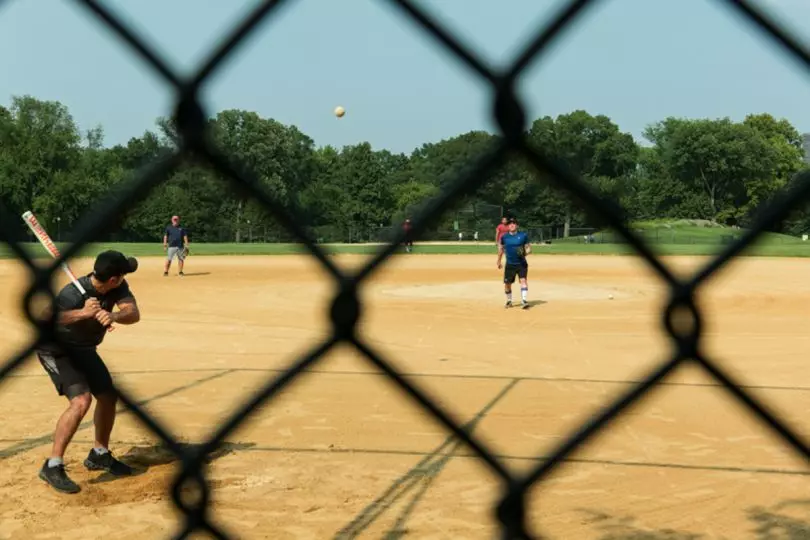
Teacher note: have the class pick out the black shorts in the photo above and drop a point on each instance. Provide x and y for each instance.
(512, 270)
(84, 372)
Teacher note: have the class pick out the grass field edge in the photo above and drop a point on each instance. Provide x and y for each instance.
(240, 250)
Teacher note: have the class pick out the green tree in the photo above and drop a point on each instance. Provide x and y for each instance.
(786, 145)
(39, 152)
(706, 168)
(588, 146)
(733, 164)
(434, 167)
(366, 200)
(280, 157)
(444, 162)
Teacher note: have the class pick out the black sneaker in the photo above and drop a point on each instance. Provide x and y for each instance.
(182, 274)
(165, 274)
(58, 478)
(524, 304)
(106, 462)
(508, 304)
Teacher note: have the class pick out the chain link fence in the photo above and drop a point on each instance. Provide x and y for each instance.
(681, 318)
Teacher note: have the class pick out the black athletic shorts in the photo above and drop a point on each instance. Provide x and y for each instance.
(512, 270)
(84, 372)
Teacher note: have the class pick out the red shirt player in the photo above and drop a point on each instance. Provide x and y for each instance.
(500, 230)
(408, 241)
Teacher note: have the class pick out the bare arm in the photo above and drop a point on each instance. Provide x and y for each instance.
(128, 312)
(73, 316)
(527, 248)
(500, 254)
(165, 241)
(90, 309)
(185, 240)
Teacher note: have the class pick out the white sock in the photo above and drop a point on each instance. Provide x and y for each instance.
(524, 293)
(509, 297)
(100, 451)
(55, 462)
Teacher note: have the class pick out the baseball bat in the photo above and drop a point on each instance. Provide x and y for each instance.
(45, 239)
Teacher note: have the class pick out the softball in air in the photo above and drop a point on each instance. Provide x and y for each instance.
(339, 111)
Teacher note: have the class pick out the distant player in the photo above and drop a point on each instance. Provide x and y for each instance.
(500, 230)
(175, 239)
(516, 246)
(408, 239)
(81, 326)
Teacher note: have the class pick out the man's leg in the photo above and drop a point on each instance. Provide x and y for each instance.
(53, 471)
(180, 262)
(508, 279)
(524, 292)
(523, 274)
(72, 384)
(104, 419)
(168, 263)
(69, 422)
(100, 458)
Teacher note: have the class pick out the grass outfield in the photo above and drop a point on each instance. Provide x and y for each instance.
(684, 232)
(764, 248)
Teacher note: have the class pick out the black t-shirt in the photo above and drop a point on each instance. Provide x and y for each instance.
(175, 235)
(89, 332)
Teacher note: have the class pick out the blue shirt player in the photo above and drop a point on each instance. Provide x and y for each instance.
(516, 246)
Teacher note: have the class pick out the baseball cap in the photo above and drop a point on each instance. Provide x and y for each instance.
(113, 263)
(512, 220)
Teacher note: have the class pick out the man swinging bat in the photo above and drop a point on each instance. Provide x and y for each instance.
(80, 375)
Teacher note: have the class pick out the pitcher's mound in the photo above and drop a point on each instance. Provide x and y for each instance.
(486, 290)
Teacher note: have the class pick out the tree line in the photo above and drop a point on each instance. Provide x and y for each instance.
(712, 169)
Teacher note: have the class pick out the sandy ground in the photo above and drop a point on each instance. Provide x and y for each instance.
(343, 454)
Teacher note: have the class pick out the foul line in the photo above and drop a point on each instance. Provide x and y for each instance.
(438, 376)
(506, 457)
(503, 457)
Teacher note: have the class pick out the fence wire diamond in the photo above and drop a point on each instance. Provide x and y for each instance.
(345, 310)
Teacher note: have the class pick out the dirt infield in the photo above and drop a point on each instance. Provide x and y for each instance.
(342, 454)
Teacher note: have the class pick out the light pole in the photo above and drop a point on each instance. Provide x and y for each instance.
(250, 232)
(58, 229)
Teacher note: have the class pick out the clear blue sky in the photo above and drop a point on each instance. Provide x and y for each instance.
(636, 61)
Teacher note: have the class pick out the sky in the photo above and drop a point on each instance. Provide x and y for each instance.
(636, 61)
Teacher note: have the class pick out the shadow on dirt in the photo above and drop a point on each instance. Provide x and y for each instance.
(142, 458)
(624, 528)
(788, 520)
